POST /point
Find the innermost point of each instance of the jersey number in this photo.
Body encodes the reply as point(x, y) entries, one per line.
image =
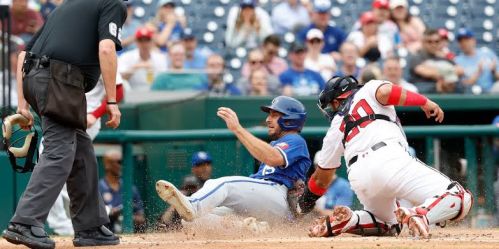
point(355, 116)
point(268, 170)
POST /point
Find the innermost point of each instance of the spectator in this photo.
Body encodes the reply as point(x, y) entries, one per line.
point(129, 28)
point(215, 83)
point(297, 80)
point(25, 21)
point(480, 65)
point(496, 156)
point(111, 191)
point(195, 57)
point(315, 60)
point(387, 30)
point(16, 45)
point(392, 71)
point(255, 62)
point(333, 36)
point(141, 65)
point(273, 64)
point(247, 29)
point(430, 72)
point(339, 193)
point(201, 166)
point(444, 50)
point(411, 27)
point(348, 62)
point(258, 83)
point(177, 78)
point(168, 24)
point(281, 13)
point(367, 39)
point(370, 72)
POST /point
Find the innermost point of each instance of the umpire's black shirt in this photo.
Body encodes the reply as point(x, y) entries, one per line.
point(73, 31)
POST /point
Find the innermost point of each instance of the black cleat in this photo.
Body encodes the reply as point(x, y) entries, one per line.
point(30, 236)
point(99, 236)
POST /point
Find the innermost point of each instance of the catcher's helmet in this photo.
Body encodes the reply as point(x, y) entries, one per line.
point(294, 113)
point(339, 88)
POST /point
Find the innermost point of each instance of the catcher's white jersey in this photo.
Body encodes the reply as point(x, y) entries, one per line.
point(360, 138)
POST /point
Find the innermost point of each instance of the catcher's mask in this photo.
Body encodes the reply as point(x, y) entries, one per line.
point(341, 89)
point(28, 151)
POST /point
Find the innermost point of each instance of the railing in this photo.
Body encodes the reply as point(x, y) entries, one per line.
point(470, 134)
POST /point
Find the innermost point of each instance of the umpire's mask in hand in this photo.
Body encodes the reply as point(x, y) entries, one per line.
point(28, 151)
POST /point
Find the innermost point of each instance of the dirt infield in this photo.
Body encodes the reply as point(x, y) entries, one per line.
point(447, 238)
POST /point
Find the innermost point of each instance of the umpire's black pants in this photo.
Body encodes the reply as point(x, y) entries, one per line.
point(68, 157)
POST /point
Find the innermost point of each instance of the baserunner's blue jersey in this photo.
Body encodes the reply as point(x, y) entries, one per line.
point(297, 161)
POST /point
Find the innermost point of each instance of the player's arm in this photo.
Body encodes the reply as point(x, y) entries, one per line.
point(108, 65)
point(258, 148)
point(390, 94)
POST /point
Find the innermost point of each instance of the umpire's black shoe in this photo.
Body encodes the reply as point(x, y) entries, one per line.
point(30, 236)
point(99, 236)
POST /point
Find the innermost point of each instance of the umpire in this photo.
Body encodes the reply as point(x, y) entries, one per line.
point(62, 62)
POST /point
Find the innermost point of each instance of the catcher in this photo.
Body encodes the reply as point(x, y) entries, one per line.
point(364, 128)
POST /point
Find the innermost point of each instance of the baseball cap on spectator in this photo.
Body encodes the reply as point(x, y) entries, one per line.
point(143, 33)
point(297, 47)
point(496, 121)
point(367, 17)
point(200, 157)
point(248, 3)
point(187, 34)
point(443, 33)
point(381, 4)
point(322, 6)
point(162, 3)
point(315, 34)
point(398, 3)
point(464, 33)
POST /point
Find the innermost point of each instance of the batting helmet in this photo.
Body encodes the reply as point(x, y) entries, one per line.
point(294, 113)
point(339, 88)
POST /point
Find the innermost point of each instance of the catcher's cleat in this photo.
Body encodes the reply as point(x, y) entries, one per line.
point(417, 223)
point(336, 223)
point(176, 199)
point(403, 214)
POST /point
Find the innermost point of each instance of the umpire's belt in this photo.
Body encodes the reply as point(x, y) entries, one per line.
point(375, 147)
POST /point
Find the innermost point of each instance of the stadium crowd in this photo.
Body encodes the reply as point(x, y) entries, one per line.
point(163, 52)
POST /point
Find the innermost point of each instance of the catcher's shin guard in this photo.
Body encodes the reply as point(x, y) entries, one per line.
point(452, 205)
point(344, 220)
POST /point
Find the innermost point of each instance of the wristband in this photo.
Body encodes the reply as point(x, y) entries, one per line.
point(111, 103)
point(314, 188)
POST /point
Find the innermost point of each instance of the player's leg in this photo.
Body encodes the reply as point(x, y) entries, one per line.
point(246, 196)
point(377, 218)
point(440, 199)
